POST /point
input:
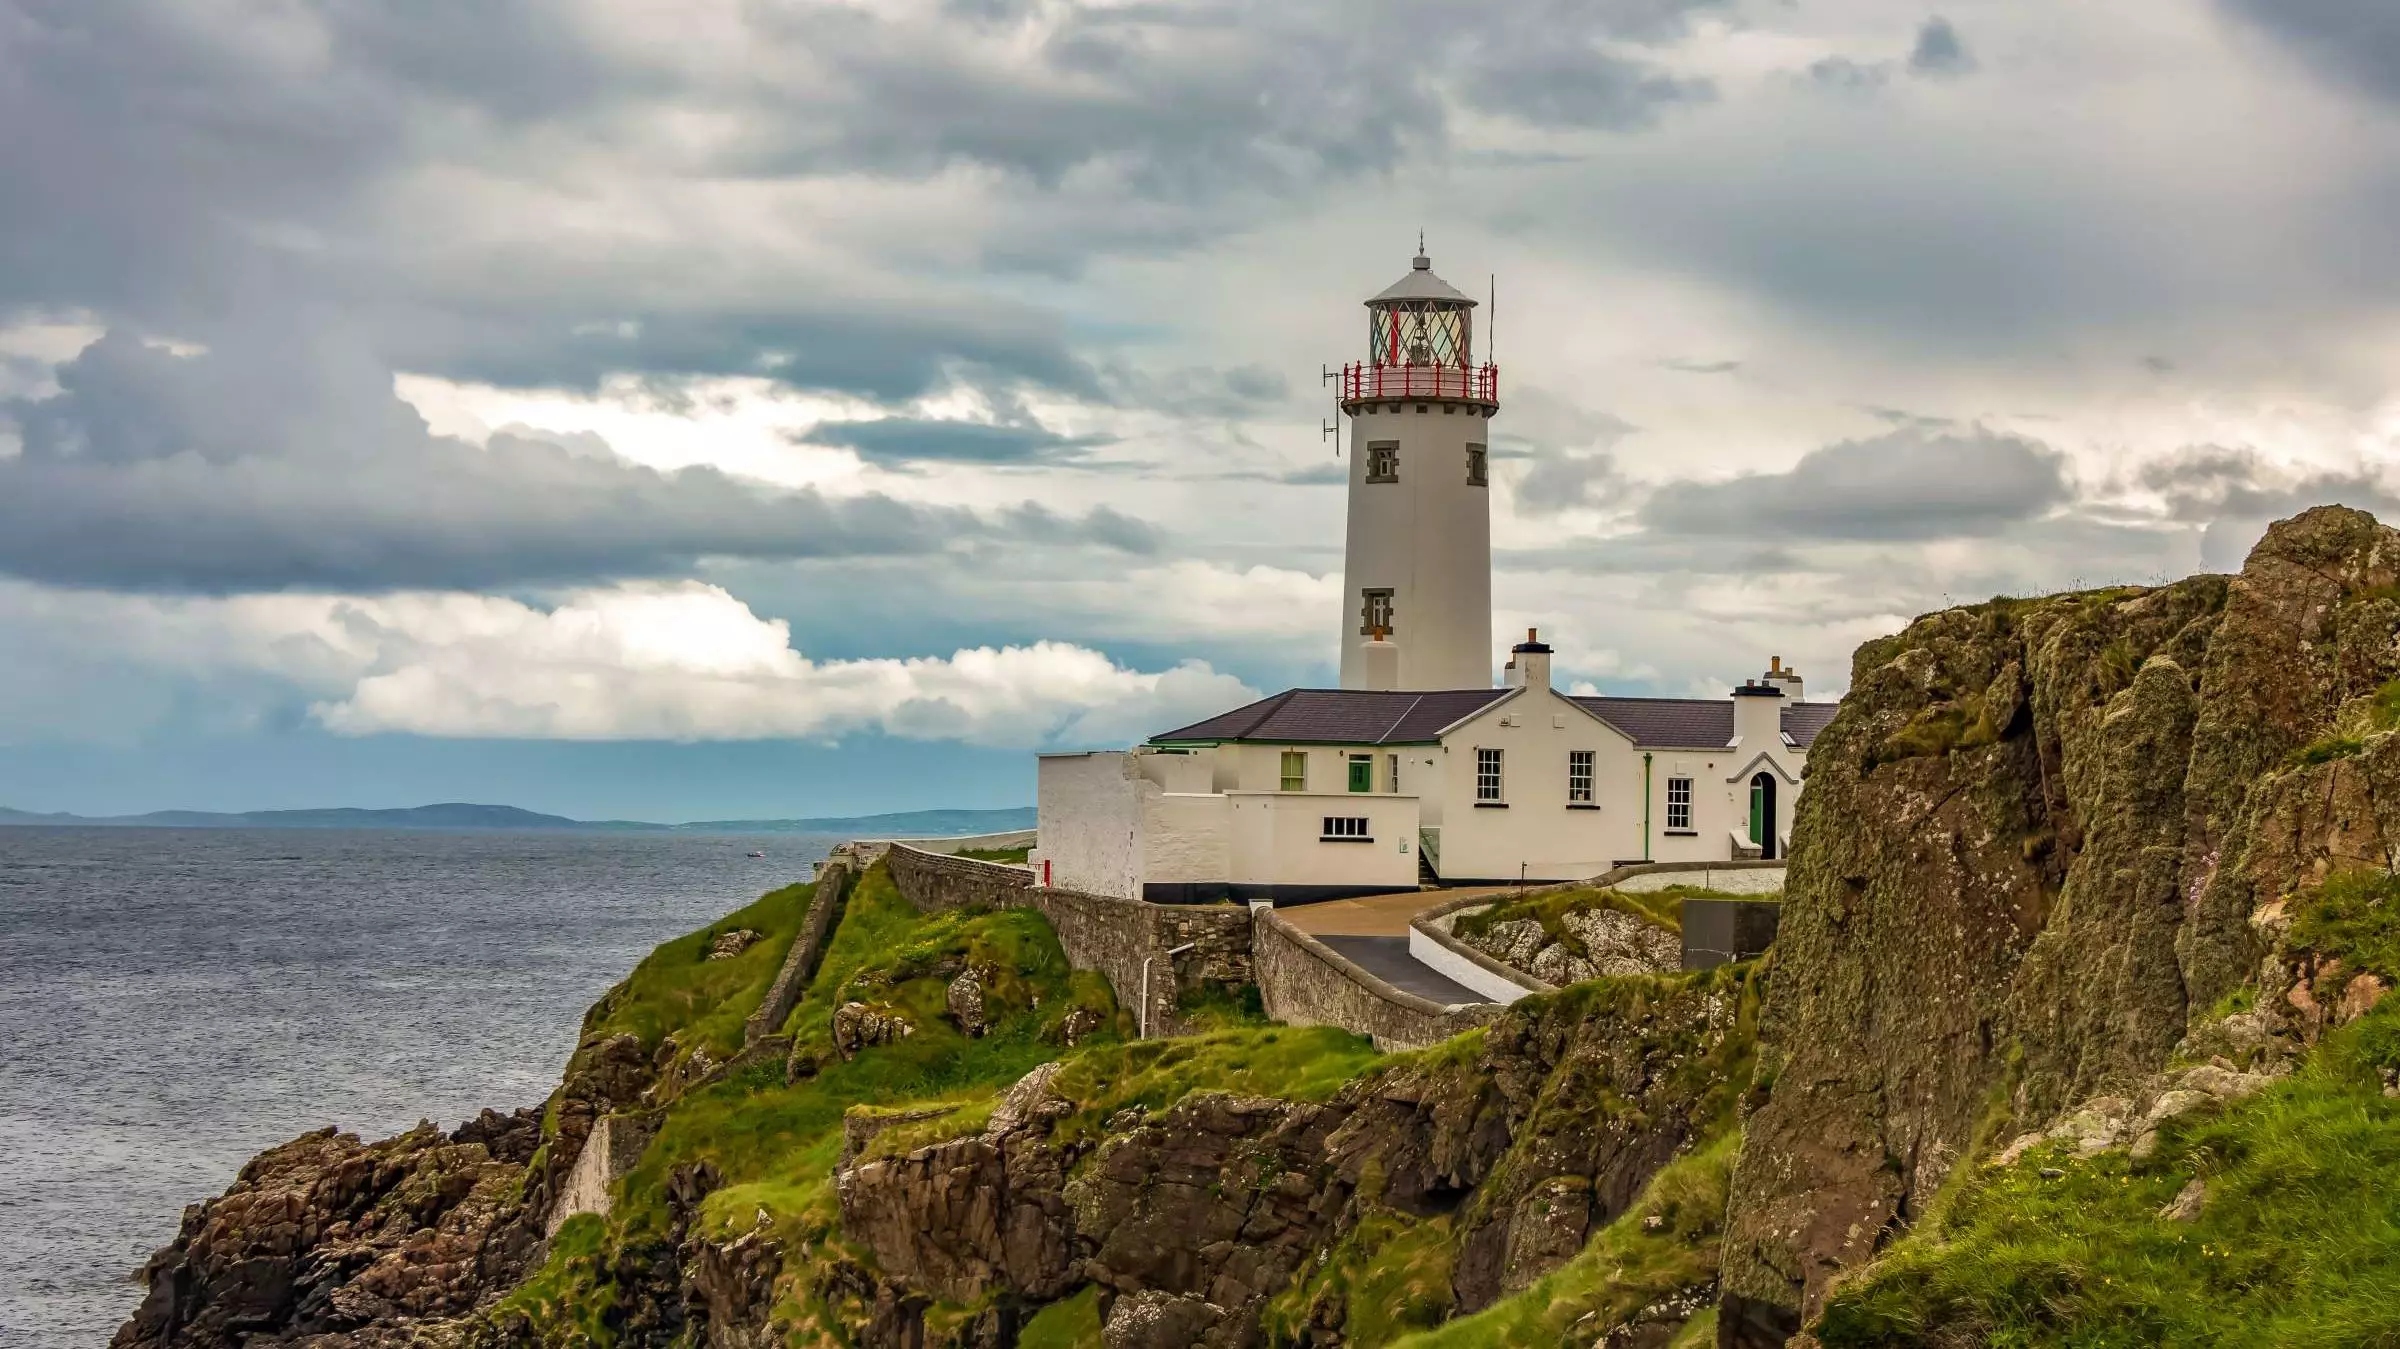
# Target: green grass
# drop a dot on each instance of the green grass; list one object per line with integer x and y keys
{"x": 1389, "y": 1276}
{"x": 773, "y": 1144}
{"x": 2359, "y": 720}
{"x": 1297, "y": 1063}
{"x": 566, "y": 1301}
{"x": 1662, "y": 907}
{"x": 1014, "y": 856}
{"x": 678, "y": 989}
{"x": 2353, "y": 916}
{"x": 1627, "y": 1266}
{"x": 1070, "y": 1323}
{"x": 2298, "y": 1245}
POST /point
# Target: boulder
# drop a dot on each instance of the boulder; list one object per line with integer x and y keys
{"x": 731, "y": 944}
{"x": 862, "y": 1025}
{"x": 965, "y": 1000}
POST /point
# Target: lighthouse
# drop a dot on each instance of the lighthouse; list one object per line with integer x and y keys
{"x": 1417, "y": 568}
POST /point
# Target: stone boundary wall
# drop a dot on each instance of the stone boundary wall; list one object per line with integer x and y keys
{"x": 1430, "y": 939}
{"x": 1304, "y": 982}
{"x": 1115, "y": 937}
{"x": 834, "y": 878}
{"x": 1013, "y": 838}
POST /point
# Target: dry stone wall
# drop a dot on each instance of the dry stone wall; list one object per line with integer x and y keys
{"x": 1113, "y": 936}
{"x": 1304, "y": 982}
{"x": 800, "y": 965}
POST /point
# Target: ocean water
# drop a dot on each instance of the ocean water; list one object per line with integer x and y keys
{"x": 173, "y": 1001}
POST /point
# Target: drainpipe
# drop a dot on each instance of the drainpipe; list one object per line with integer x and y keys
{"x": 1141, "y": 1025}
{"x": 1645, "y": 807}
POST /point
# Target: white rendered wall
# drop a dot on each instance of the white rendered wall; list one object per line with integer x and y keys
{"x": 1428, "y": 537}
{"x": 1276, "y": 838}
{"x": 1184, "y": 838}
{"x": 1533, "y": 833}
{"x": 1088, "y": 817}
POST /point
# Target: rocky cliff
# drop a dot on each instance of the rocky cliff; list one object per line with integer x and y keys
{"x": 2041, "y": 843}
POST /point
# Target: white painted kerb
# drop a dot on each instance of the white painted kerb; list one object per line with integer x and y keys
{"x": 1460, "y": 970}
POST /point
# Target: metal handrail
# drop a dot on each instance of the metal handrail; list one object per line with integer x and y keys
{"x": 1362, "y": 382}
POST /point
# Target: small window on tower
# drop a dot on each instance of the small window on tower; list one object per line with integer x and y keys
{"x": 1383, "y": 461}
{"x": 1477, "y": 474}
{"x": 1375, "y": 611}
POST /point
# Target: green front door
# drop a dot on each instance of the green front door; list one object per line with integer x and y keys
{"x": 1758, "y": 813}
{"x": 1362, "y": 773}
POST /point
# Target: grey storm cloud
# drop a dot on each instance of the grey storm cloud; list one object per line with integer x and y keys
{"x": 2359, "y": 40}
{"x": 901, "y": 440}
{"x": 1940, "y": 50}
{"x": 1906, "y": 485}
{"x": 284, "y": 461}
{"x": 344, "y": 153}
{"x": 2234, "y": 493}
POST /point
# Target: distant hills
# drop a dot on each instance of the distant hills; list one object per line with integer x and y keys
{"x": 460, "y": 815}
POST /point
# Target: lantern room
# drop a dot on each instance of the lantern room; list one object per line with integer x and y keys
{"x": 1421, "y": 344}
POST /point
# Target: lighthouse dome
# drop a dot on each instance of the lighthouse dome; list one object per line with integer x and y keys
{"x": 1422, "y": 284}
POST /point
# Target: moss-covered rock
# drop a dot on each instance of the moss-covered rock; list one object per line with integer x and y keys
{"x": 2041, "y": 842}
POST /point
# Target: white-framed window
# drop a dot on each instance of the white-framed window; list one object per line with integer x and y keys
{"x": 1487, "y": 775}
{"x": 1393, "y": 776}
{"x": 1375, "y": 610}
{"x": 1579, "y": 777}
{"x": 1478, "y": 466}
{"x": 1346, "y": 829}
{"x": 1295, "y": 770}
{"x": 1383, "y": 461}
{"x": 1679, "y": 803}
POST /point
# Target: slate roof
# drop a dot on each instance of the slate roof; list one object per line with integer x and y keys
{"x": 1802, "y": 721}
{"x": 1698, "y": 723}
{"x": 1368, "y": 717}
{"x": 1680, "y": 723}
{"x": 1341, "y": 717}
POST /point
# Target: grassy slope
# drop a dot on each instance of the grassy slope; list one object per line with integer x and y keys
{"x": 2298, "y": 1243}
{"x": 676, "y": 989}
{"x": 1663, "y": 1245}
{"x": 774, "y": 1143}
{"x": 1391, "y": 1278}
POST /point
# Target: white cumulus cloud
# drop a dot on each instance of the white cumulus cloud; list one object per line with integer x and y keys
{"x": 676, "y": 660}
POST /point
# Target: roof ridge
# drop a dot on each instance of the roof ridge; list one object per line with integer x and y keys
{"x": 1272, "y": 705}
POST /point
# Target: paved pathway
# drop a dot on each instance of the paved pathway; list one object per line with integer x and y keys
{"x": 1388, "y": 959}
{"x": 1374, "y": 915}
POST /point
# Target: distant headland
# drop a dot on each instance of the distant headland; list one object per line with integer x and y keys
{"x": 461, "y": 815}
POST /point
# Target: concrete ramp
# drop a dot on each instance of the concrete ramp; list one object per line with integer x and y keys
{"x": 1387, "y": 958}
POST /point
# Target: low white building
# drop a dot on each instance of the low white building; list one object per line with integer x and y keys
{"x": 1324, "y": 793}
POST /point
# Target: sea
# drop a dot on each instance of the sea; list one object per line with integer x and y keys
{"x": 173, "y": 1001}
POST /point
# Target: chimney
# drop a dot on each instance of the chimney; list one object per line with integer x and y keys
{"x": 1380, "y": 667}
{"x": 1781, "y": 678}
{"x": 1758, "y": 714}
{"x": 1529, "y": 663}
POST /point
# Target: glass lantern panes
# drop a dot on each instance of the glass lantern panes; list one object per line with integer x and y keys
{"x": 1421, "y": 332}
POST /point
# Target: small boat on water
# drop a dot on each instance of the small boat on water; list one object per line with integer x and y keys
{"x": 756, "y": 853}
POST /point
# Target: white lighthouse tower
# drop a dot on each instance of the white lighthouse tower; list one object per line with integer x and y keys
{"x": 1417, "y": 572}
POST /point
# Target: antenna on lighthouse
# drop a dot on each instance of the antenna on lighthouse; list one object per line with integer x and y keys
{"x": 1491, "y": 320}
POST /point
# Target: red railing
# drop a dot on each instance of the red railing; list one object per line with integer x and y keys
{"x": 1364, "y": 383}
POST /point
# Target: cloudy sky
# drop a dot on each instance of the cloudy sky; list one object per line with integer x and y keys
{"x": 774, "y": 407}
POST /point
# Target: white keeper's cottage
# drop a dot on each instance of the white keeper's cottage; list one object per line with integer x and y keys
{"x": 1417, "y": 770}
